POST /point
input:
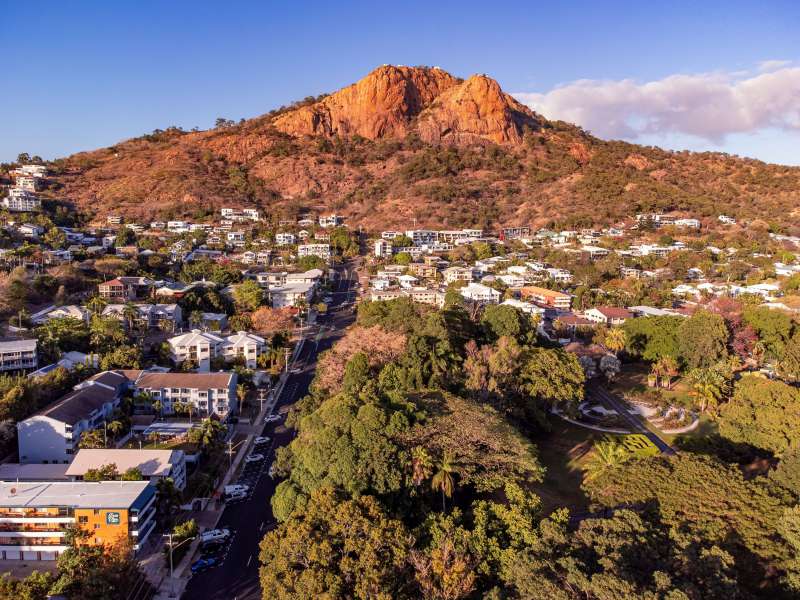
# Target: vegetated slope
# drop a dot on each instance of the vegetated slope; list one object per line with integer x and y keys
{"x": 416, "y": 142}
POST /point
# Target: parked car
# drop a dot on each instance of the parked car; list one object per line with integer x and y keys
{"x": 236, "y": 496}
{"x": 262, "y": 439}
{"x": 237, "y": 488}
{"x": 204, "y": 564}
{"x": 253, "y": 458}
{"x": 272, "y": 418}
{"x": 214, "y": 535}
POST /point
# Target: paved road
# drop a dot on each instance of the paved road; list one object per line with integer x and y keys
{"x": 635, "y": 421}
{"x": 237, "y": 577}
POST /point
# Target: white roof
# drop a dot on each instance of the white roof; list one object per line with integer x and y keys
{"x": 78, "y": 494}
{"x": 18, "y": 346}
{"x": 152, "y": 463}
{"x": 32, "y": 472}
{"x": 194, "y": 337}
{"x": 241, "y": 337}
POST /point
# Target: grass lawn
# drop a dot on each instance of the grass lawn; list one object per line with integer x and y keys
{"x": 632, "y": 381}
{"x": 562, "y": 452}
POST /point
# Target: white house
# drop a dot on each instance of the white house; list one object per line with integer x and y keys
{"x": 452, "y": 274}
{"x": 285, "y": 239}
{"x": 290, "y": 294}
{"x": 245, "y": 346}
{"x": 19, "y": 200}
{"x": 321, "y": 250}
{"x": 330, "y": 221}
{"x": 481, "y": 294}
{"x": 383, "y": 248}
{"x": 16, "y": 355}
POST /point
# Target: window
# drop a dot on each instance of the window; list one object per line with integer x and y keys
{"x": 83, "y": 520}
{"x": 97, "y": 525}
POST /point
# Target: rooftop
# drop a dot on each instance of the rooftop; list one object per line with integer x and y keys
{"x": 18, "y": 346}
{"x": 76, "y": 494}
{"x": 152, "y": 463}
{"x": 186, "y": 380}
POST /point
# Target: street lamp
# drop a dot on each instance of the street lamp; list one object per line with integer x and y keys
{"x": 171, "y": 549}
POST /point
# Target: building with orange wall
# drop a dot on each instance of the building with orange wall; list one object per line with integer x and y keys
{"x": 35, "y": 516}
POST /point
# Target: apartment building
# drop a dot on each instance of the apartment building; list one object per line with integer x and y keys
{"x": 321, "y": 250}
{"x": 196, "y": 346}
{"x": 546, "y": 297}
{"x": 152, "y": 464}
{"x": 16, "y": 355}
{"x": 209, "y": 393}
{"x": 20, "y": 200}
{"x": 244, "y": 346}
{"x": 290, "y": 294}
{"x": 383, "y": 248}
{"x": 285, "y": 239}
{"x": 35, "y": 515}
{"x": 514, "y": 233}
{"x": 52, "y": 435}
{"x": 452, "y": 274}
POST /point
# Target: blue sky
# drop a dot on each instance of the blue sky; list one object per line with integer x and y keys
{"x": 81, "y": 75}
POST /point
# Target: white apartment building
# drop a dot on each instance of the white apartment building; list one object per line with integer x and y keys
{"x": 20, "y": 200}
{"x": 245, "y": 346}
{"x": 285, "y": 239}
{"x": 452, "y": 274}
{"x": 383, "y": 248}
{"x": 330, "y": 221}
{"x": 201, "y": 347}
{"x": 290, "y": 294}
{"x": 208, "y": 393}
{"x": 152, "y": 464}
{"x": 52, "y": 434}
{"x": 321, "y": 250}
{"x": 16, "y": 355}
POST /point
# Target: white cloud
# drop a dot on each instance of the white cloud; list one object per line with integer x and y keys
{"x": 710, "y": 106}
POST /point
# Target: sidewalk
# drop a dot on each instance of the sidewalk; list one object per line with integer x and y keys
{"x": 170, "y": 588}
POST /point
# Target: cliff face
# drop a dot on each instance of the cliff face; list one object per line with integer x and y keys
{"x": 394, "y": 101}
{"x": 476, "y": 110}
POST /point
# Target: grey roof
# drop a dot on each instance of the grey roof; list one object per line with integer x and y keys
{"x": 78, "y": 494}
{"x": 18, "y": 346}
{"x": 79, "y": 404}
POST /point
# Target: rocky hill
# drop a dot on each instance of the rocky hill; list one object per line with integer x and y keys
{"x": 409, "y": 143}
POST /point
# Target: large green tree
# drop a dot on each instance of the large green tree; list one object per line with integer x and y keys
{"x": 763, "y": 413}
{"x": 703, "y": 339}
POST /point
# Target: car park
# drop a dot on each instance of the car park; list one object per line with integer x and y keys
{"x": 214, "y": 535}
{"x": 272, "y": 418}
{"x": 203, "y": 564}
{"x": 254, "y": 458}
{"x": 262, "y": 439}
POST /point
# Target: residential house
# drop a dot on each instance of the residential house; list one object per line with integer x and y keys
{"x": 608, "y": 315}
{"x": 383, "y": 248}
{"x": 285, "y": 239}
{"x": 244, "y": 346}
{"x": 290, "y": 294}
{"x": 124, "y": 289}
{"x": 330, "y": 221}
{"x": 481, "y": 294}
{"x": 71, "y": 311}
{"x": 423, "y": 270}
{"x": 19, "y": 200}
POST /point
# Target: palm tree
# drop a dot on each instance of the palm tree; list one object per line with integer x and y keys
{"x": 444, "y": 480}
{"x": 607, "y": 454}
{"x": 115, "y": 427}
{"x": 130, "y": 313}
{"x": 96, "y": 304}
{"x": 614, "y": 340}
{"x": 158, "y": 407}
{"x": 91, "y": 439}
{"x": 668, "y": 368}
{"x": 196, "y": 318}
{"x": 709, "y": 386}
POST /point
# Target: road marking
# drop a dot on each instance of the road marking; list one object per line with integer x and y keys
{"x": 261, "y": 527}
{"x": 249, "y": 559}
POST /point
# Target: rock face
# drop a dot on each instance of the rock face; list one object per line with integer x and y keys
{"x": 473, "y": 111}
{"x": 394, "y": 101}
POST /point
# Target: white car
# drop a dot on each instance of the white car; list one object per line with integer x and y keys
{"x": 262, "y": 439}
{"x": 296, "y": 371}
{"x": 272, "y": 418}
{"x": 236, "y": 497}
{"x": 214, "y": 535}
{"x": 254, "y": 458}
{"x": 236, "y": 488}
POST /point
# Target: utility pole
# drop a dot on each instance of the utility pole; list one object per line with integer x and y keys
{"x": 230, "y": 453}
{"x": 286, "y": 352}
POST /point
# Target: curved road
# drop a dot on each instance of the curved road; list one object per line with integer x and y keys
{"x": 237, "y": 577}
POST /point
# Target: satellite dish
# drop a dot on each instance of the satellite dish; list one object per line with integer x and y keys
{"x": 13, "y": 491}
